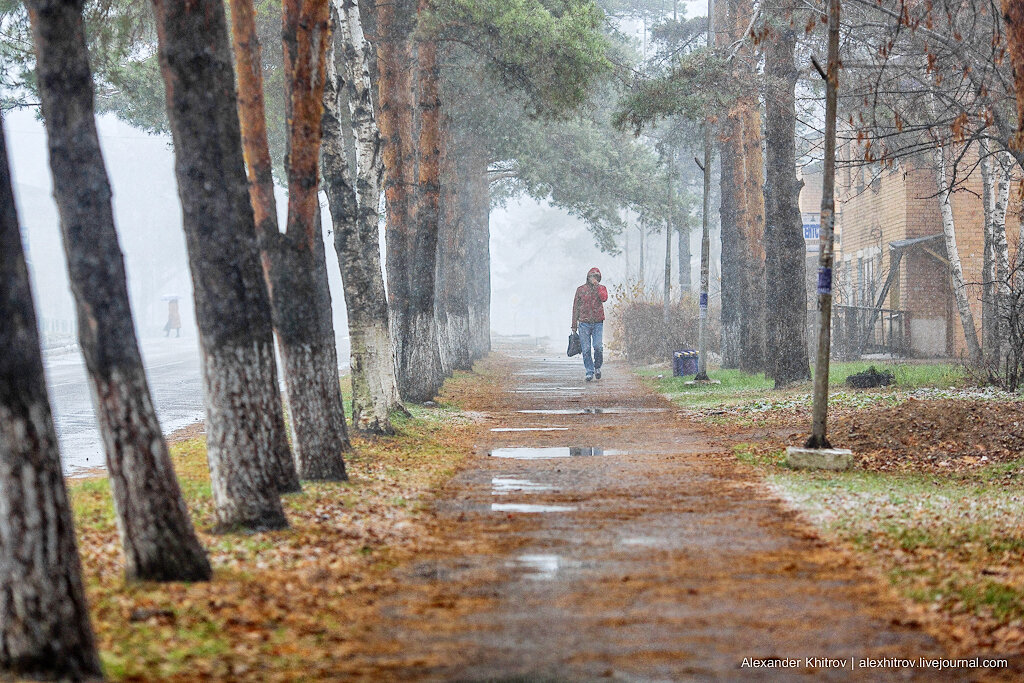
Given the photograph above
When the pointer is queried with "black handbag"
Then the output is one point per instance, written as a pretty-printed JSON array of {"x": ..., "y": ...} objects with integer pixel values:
[{"x": 575, "y": 347}]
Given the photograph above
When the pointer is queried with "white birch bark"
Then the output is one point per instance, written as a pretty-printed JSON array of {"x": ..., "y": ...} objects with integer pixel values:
[
  {"x": 355, "y": 198},
  {"x": 956, "y": 271}
]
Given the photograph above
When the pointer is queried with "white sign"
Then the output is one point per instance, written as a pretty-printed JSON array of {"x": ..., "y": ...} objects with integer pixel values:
[{"x": 812, "y": 230}]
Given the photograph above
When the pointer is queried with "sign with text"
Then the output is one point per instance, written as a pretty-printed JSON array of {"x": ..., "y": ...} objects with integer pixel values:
[{"x": 812, "y": 230}]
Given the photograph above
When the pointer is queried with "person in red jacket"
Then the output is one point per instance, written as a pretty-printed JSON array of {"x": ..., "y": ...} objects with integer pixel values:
[{"x": 588, "y": 319}]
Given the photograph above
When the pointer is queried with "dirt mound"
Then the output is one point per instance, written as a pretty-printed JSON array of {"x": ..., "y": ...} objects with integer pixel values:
[{"x": 932, "y": 435}]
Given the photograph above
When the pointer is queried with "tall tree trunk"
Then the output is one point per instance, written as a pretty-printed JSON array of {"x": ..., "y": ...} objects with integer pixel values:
[
  {"x": 989, "y": 315},
  {"x": 732, "y": 255},
  {"x": 410, "y": 278},
  {"x": 684, "y": 256},
  {"x": 298, "y": 287},
  {"x": 643, "y": 251},
  {"x": 956, "y": 272},
  {"x": 354, "y": 198},
  {"x": 785, "y": 268},
  {"x": 476, "y": 211},
  {"x": 156, "y": 532},
  {"x": 44, "y": 619},
  {"x": 259, "y": 168},
  {"x": 452, "y": 285},
  {"x": 752, "y": 236},
  {"x": 246, "y": 443},
  {"x": 1001, "y": 251},
  {"x": 730, "y": 211}
]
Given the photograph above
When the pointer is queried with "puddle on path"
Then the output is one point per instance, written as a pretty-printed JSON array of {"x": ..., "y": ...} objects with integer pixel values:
[
  {"x": 593, "y": 411},
  {"x": 530, "y": 507},
  {"x": 530, "y": 429},
  {"x": 646, "y": 541},
  {"x": 539, "y": 566},
  {"x": 502, "y": 486},
  {"x": 531, "y": 453}
]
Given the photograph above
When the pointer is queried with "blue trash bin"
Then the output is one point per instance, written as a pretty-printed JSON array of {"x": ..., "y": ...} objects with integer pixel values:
[{"x": 684, "y": 362}]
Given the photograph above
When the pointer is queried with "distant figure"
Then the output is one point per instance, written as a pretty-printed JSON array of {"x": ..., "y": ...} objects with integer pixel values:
[
  {"x": 588, "y": 317},
  {"x": 173, "y": 319}
]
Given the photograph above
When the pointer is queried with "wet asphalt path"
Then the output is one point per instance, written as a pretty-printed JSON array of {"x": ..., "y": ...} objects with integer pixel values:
[
  {"x": 175, "y": 381},
  {"x": 609, "y": 539}
]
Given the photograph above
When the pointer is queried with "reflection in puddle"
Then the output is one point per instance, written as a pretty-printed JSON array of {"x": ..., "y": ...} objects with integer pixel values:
[
  {"x": 529, "y": 507},
  {"x": 593, "y": 411},
  {"x": 648, "y": 541},
  {"x": 539, "y": 566},
  {"x": 530, "y": 429},
  {"x": 529, "y": 453},
  {"x": 502, "y": 486}
]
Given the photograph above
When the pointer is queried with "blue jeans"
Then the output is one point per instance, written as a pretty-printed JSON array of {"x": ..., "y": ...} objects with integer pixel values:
[{"x": 591, "y": 335}]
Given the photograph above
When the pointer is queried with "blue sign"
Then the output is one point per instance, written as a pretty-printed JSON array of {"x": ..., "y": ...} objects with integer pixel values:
[
  {"x": 812, "y": 230},
  {"x": 824, "y": 280}
]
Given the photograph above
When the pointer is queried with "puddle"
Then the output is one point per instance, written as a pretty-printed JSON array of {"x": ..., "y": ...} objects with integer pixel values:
[
  {"x": 593, "y": 411},
  {"x": 646, "y": 541},
  {"x": 530, "y": 453},
  {"x": 529, "y": 507},
  {"x": 539, "y": 566},
  {"x": 502, "y": 486},
  {"x": 530, "y": 429}
]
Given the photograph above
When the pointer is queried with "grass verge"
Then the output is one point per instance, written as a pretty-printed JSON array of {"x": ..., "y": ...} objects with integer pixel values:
[{"x": 285, "y": 605}]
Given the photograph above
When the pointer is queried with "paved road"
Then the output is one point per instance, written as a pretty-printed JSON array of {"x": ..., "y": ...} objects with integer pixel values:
[{"x": 172, "y": 366}]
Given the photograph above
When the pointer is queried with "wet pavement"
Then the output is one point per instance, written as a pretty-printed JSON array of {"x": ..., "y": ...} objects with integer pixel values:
[{"x": 664, "y": 559}]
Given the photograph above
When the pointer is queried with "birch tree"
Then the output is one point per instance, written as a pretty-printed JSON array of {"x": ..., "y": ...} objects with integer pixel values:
[{"x": 354, "y": 199}]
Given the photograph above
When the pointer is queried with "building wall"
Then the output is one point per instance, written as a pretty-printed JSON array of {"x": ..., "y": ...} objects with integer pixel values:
[{"x": 902, "y": 203}]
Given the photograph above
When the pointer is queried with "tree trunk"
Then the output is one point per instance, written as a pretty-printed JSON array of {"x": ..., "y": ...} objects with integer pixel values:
[
  {"x": 159, "y": 541},
  {"x": 1001, "y": 251},
  {"x": 452, "y": 304},
  {"x": 955, "y": 269},
  {"x": 732, "y": 259},
  {"x": 410, "y": 264},
  {"x": 785, "y": 269},
  {"x": 44, "y": 619},
  {"x": 685, "y": 274},
  {"x": 643, "y": 251},
  {"x": 256, "y": 151},
  {"x": 752, "y": 238},
  {"x": 299, "y": 291},
  {"x": 354, "y": 200},
  {"x": 989, "y": 315},
  {"x": 476, "y": 203},
  {"x": 246, "y": 443}
]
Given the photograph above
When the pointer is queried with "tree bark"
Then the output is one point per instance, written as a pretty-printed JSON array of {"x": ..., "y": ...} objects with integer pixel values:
[
  {"x": 453, "y": 325},
  {"x": 159, "y": 541},
  {"x": 411, "y": 250},
  {"x": 44, "y": 619},
  {"x": 785, "y": 268},
  {"x": 246, "y": 443},
  {"x": 1001, "y": 251},
  {"x": 299, "y": 291},
  {"x": 732, "y": 255},
  {"x": 956, "y": 272},
  {"x": 476, "y": 203},
  {"x": 354, "y": 199},
  {"x": 683, "y": 254},
  {"x": 752, "y": 239},
  {"x": 989, "y": 315}
]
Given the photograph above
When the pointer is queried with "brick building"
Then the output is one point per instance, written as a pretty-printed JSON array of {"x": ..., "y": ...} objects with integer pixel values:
[{"x": 891, "y": 216}]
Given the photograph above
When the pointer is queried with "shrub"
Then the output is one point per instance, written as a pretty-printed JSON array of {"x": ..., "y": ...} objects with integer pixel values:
[{"x": 640, "y": 333}]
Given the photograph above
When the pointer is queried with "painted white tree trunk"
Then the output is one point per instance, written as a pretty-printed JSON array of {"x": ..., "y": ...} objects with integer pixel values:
[
  {"x": 956, "y": 271},
  {"x": 355, "y": 199}
]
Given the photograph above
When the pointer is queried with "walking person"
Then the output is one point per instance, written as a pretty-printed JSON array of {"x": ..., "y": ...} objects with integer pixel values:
[
  {"x": 588, "y": 320},
  {"x": 173, "y": 318}
]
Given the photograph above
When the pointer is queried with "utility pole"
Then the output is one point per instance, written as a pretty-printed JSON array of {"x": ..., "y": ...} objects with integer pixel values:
[{"x": 705, "y": 240}]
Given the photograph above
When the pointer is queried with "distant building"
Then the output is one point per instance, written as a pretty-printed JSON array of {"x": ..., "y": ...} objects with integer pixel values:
[{"x": 890, "y": 218}]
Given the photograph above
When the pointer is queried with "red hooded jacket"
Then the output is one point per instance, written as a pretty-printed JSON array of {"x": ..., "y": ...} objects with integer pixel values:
[{"x": 588, "y": 305}]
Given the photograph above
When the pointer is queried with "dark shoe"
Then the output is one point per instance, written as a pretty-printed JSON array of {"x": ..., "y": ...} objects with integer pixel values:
[
  {"x": 597, "y": 374},
  {"x": 589, "y": 377}
]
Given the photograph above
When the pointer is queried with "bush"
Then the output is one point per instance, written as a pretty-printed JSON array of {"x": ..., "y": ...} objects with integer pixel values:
[{"x": 640, "y": 333}]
